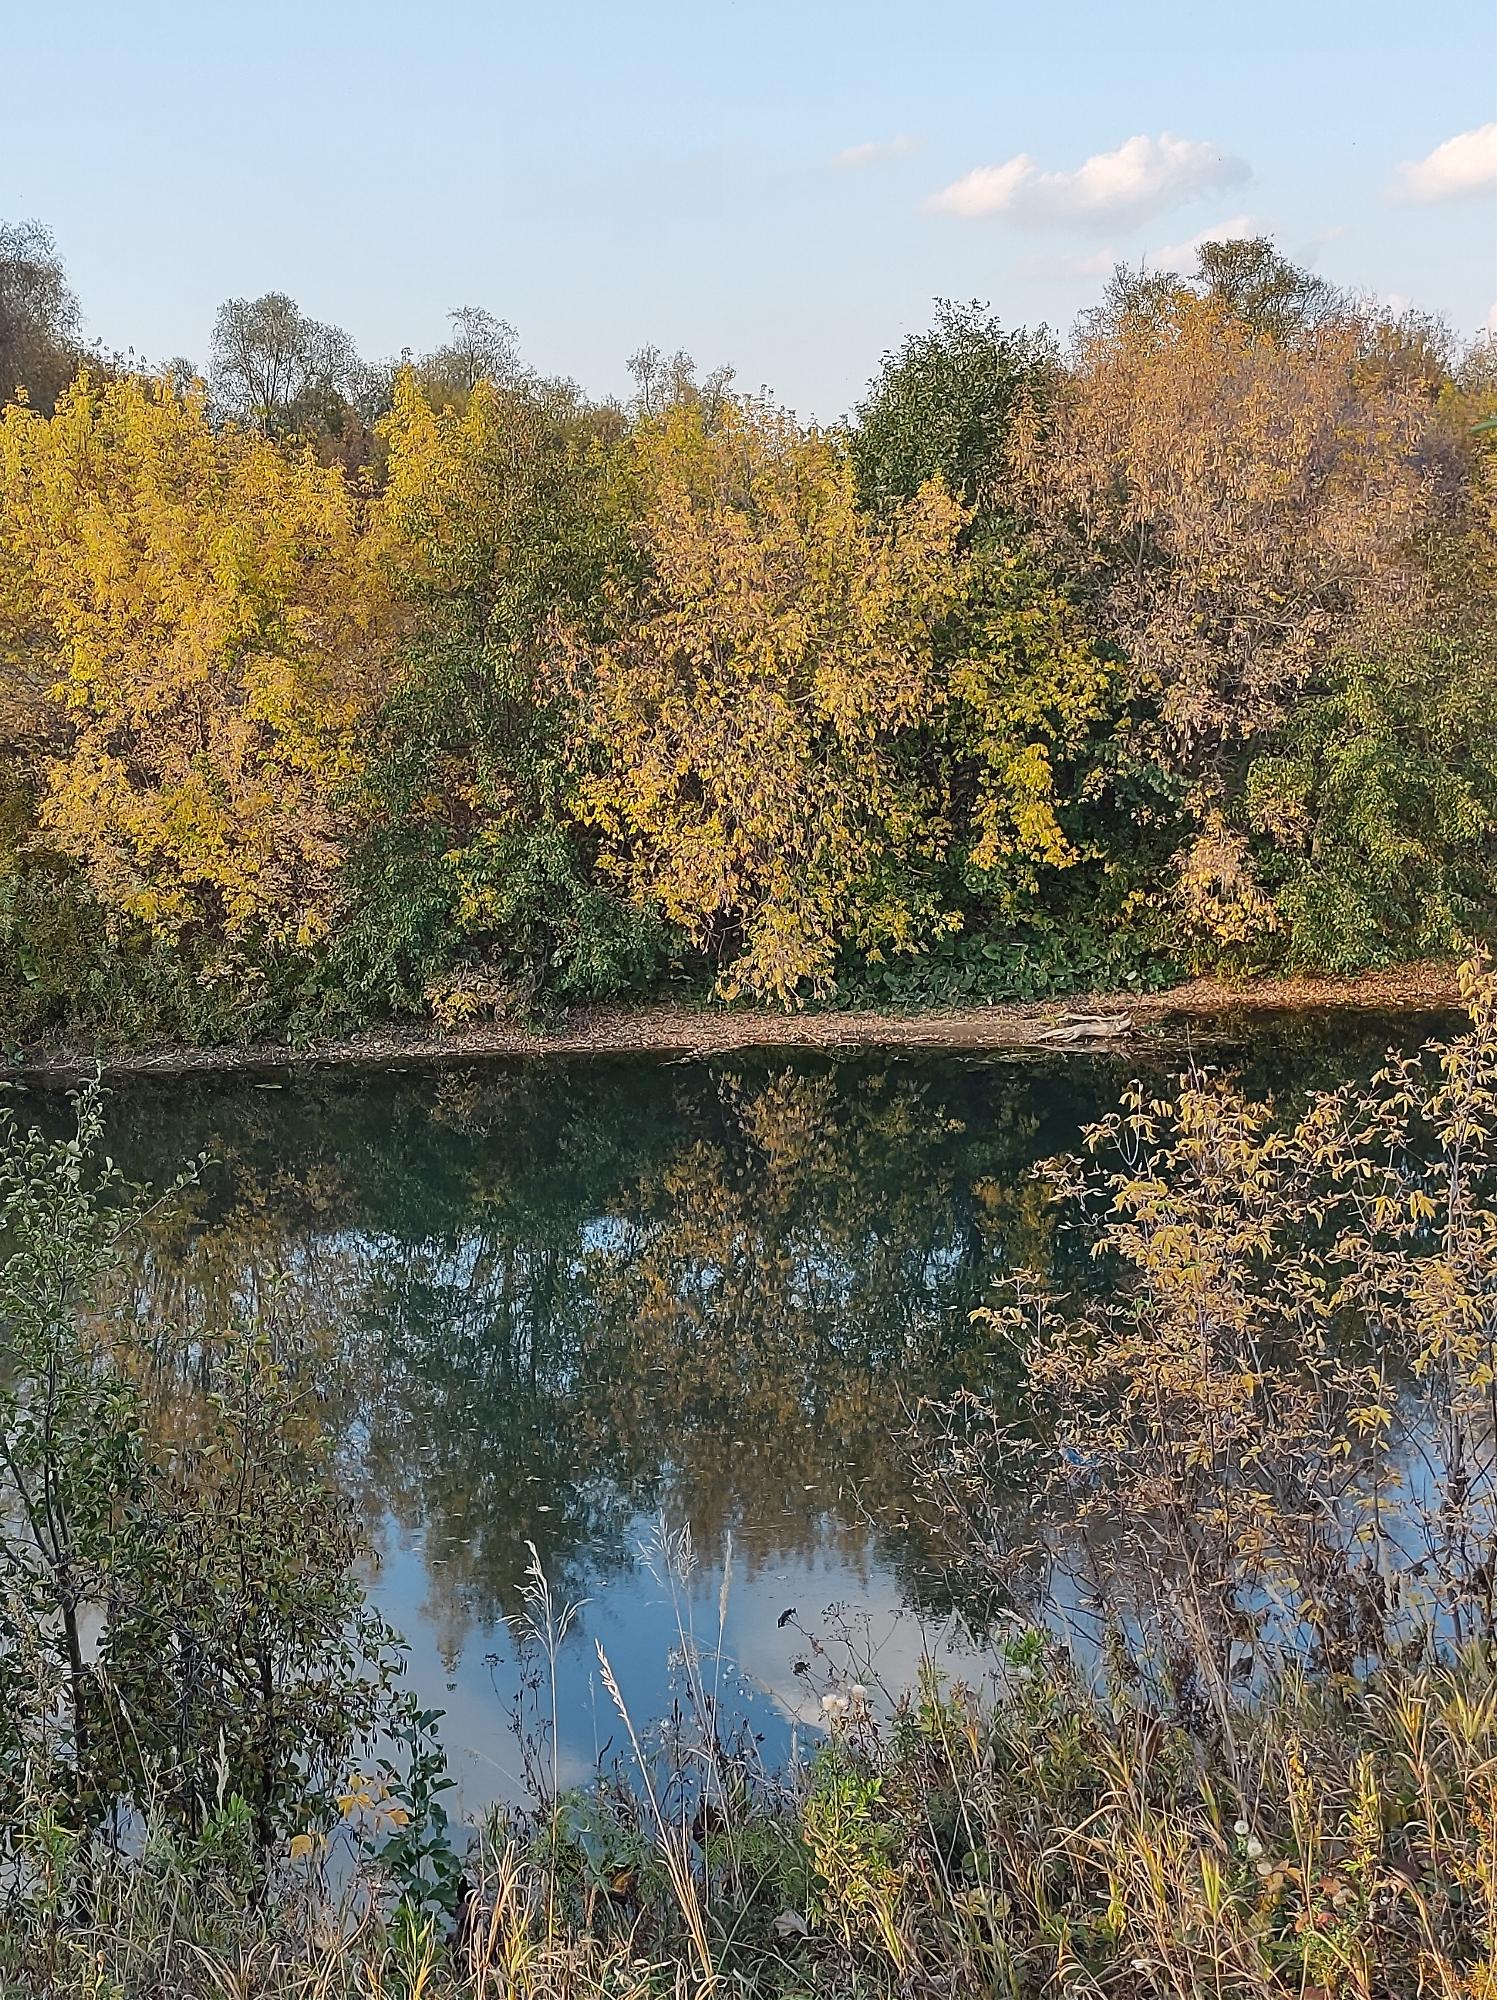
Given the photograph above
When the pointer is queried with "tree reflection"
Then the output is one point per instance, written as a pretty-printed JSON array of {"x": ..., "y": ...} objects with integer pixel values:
[{"x": 551, "y": 1297}]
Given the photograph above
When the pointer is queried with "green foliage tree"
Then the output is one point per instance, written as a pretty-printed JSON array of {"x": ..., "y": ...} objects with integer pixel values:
[
  {"x": 1246, "y": 277},
  {"x": 1381, "y": 803},
  {"x": 473, "y": 887},
  {"x": 940, "y": 408},
  {"x": 282, "y": 371},
  {"x": 71, "y": 1462},
  {"x": 40, "y": 323}
]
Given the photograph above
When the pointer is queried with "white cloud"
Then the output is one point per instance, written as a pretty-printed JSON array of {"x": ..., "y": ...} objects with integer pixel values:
[
  {"x": 1492, "y": 318},
  {"x": 1140, "y": 178},
  {"x": 1181, "y": 256},
  {"x": 1466, "y": 164},
  {"x": 872, "y": 151}
]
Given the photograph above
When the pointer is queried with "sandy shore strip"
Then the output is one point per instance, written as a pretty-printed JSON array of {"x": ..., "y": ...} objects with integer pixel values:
[{"x": 1074, "y": 1022}]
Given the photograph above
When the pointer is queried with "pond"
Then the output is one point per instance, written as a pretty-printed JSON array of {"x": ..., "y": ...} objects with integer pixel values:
[{"x": 562, "y": 1303}]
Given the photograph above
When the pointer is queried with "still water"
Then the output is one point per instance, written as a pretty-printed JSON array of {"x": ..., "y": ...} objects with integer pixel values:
[{"x": 562, "y": 1302}]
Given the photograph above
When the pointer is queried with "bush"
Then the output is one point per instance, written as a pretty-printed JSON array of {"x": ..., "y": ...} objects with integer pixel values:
[
  {"x": 189, "y": 1511},
  {"x": 1381, "y": 802},
  {"x": 967, "y": 970},
  {"x": 72, "y": 974}
]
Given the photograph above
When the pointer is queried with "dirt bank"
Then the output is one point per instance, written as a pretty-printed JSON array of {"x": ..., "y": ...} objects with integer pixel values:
[{"x": 681, "y": 1030}]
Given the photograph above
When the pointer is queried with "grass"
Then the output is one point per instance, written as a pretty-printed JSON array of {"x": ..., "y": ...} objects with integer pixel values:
[{"x": 1045, "y": 1838}]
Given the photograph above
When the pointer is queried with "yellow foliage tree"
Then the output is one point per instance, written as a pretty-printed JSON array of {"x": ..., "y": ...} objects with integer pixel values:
[
  {"x": 1235, "y": 502},
  {"x": 1233, "y": 498},
  {"x": 777, "y": 748},
  {"x": 201, "y": 611}
]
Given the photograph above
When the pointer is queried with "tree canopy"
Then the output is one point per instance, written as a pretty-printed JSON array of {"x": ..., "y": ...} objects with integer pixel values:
[{"x": 331, "y": 688}]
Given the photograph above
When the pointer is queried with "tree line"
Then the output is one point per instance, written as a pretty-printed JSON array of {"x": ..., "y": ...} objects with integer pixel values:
[{"x": 334, "y": 691}]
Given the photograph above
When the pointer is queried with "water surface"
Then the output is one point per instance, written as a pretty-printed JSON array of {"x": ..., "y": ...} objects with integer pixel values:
[{"x": 562, "y": 1301}]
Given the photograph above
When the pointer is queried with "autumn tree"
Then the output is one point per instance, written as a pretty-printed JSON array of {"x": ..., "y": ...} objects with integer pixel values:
[
  {"x": 442, "y": 687},
  {"x": 213, "y": 639},
  {"x": 1232, "y": 501},
  {"x": 795, "y": 745},
  {"x": 1374, "y": 807},
  {"x": 1232, "y": 504},
  {"x": 662, "y": 381}
]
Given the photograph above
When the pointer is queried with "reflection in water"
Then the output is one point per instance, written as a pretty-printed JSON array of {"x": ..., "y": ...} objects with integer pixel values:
[{"x": 556, "y": 1301}]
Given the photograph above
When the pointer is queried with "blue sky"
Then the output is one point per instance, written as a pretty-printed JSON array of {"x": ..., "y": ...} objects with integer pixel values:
[{"x": 781, "y": 187}]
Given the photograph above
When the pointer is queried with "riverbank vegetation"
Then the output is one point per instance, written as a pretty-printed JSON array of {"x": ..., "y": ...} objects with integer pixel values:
[
  {"x": 1232, "y": 1561},
  {"x": 335, "y": 693}
]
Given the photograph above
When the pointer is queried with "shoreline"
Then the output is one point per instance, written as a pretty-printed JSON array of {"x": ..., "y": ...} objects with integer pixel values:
[{"x": 671, "y": 1029}]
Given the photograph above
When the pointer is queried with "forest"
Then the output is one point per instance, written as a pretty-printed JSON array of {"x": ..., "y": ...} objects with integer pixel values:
[{"x": 336, "y": 692}]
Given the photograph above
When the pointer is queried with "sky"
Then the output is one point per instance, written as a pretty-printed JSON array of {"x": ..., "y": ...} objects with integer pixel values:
[{"x": 783, "y": 186}]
